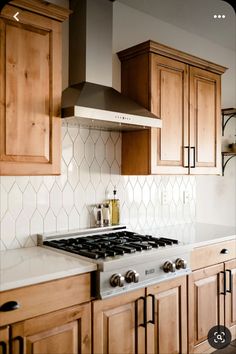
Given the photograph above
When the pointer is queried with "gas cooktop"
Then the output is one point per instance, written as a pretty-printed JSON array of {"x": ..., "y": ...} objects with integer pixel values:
[{"x": 125, "y": 260}]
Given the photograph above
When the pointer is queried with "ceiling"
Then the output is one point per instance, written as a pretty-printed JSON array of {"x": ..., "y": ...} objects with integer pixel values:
[{"x": 194, "y": 16}]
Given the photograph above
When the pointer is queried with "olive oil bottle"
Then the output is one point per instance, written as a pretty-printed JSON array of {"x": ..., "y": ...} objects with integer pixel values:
[{"x": 115, "y": 213}]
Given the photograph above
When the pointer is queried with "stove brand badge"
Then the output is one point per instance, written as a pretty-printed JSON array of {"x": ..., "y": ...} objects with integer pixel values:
[
  {"x": 149, "y": 271},
  {"x": 219, "y": 337}
]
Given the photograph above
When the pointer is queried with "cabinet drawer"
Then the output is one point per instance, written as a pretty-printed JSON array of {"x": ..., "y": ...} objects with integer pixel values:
[
  {"x": 208, "y": 255},
  {"x": 43, "y": 298}
]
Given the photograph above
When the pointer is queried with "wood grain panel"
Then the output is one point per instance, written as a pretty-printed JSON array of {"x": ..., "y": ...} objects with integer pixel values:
[
  {"x": 114, "y": 325},
  {"x": 169, "y": 87},
  {"x": 46, "y": 297},
  {"x": 208, "y": 255},
  {"x": 170, "y": 317},
  {"x": 28, "y": 93},
  {"x": 30, "y": 90},
  {"x": 62, "y": 332},
  {"x": 136, "y": 153},
  {"x": 205, "y": 306},
  {"x": 4, "y": 340},
  {"x": 205, "y": 121}
]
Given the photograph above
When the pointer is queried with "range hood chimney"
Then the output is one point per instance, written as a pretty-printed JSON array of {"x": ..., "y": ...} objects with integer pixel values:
[{"x": 90, "y": 99}]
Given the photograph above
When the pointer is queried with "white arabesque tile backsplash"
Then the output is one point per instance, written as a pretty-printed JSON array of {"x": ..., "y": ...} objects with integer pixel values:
[{"x": 91, "y": 161}]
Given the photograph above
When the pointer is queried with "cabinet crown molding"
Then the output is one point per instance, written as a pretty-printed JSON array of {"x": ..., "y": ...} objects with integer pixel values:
[
  {"x": 44, "y": 8},
  {"x": 150, "y": 46}
]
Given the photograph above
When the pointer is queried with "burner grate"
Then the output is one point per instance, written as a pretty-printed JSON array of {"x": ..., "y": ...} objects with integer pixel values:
[{"x": 110, "y": 244}]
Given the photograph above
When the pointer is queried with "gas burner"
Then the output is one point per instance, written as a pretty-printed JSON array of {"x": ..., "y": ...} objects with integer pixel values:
[{"x": 125, "y": 260}]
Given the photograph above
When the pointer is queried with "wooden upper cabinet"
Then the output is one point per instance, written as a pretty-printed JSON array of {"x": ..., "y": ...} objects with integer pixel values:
[
  {"x": 30, "y": 91},
  {"x": 184, "y": 91}
]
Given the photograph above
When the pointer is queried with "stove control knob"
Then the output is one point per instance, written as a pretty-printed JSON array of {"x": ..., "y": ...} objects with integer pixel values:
[
  {"x": 132, "y": 276},
  {"x": 117, "y": 280},
  {"x": 169, "y": 267},
  {"x": 181, "y": 263}
]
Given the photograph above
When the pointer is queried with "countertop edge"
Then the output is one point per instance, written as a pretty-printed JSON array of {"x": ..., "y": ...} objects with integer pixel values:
[{"x": 213, "y": 241}]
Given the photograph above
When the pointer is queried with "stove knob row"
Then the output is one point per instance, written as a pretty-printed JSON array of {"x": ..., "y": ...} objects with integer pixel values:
[
  {"x": 118, "y": 280},
  {"x": 172, "y": 266},
  {"x": 132, "y": 276}
]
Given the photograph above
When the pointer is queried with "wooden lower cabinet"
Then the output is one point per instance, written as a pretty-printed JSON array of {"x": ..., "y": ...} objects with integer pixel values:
[
  {"x": 206, "y": 306},
  {"x": 116, "y": 327},
  {"x": 169, "y": 333},
  {"x": 62, "y": 332},
  {"x": 4, "y": 340},
  {"x": 230, "y": 298},
  {"x": 117, "y": 322}
]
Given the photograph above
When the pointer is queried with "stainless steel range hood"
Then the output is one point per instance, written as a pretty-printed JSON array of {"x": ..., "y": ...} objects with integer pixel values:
[{"x": 90, "y": 100}]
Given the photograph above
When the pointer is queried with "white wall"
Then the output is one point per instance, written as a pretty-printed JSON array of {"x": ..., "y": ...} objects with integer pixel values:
[{"x": 216, "y": 196}]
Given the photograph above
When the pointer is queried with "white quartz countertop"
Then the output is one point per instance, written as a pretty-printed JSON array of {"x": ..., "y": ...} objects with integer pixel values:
[
  {"x": 196, "y": 234},
  {"x": 27, "y": 266}
]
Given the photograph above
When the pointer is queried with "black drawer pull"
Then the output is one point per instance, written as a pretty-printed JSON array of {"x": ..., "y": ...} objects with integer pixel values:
[
  {"x": 224, "y": 251},
  {"x": 9, "y": 306},
  {"x": 3, "y": 345}
]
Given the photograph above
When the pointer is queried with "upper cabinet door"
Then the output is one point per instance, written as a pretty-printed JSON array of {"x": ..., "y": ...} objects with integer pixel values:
[
  {"x": 169, "y": 100},
  {"x": 205, "y": 122},
  {"x": 30, "y": 93}
]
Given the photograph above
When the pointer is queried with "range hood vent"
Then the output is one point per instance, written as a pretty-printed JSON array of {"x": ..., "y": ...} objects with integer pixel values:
[{"x": 90, "y": 101}]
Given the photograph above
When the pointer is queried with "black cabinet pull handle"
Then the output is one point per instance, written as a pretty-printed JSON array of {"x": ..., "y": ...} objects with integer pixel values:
[
  {"x": 9, "y": 306},
  {"x": 187, "y": 147},
  {"x": 136, "y": 320},
  {"x": 3, "y": 345},
  {"x": 230, "y": 281},
  {"x": 143, "y": 324},
  {"x": 224, "y": 251},
  {"x": 224, "y": 291},
  {"x": 194, "y": 156},
  {"x": 153, "y": 309},
  {"x": 21, "y": 343}
]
